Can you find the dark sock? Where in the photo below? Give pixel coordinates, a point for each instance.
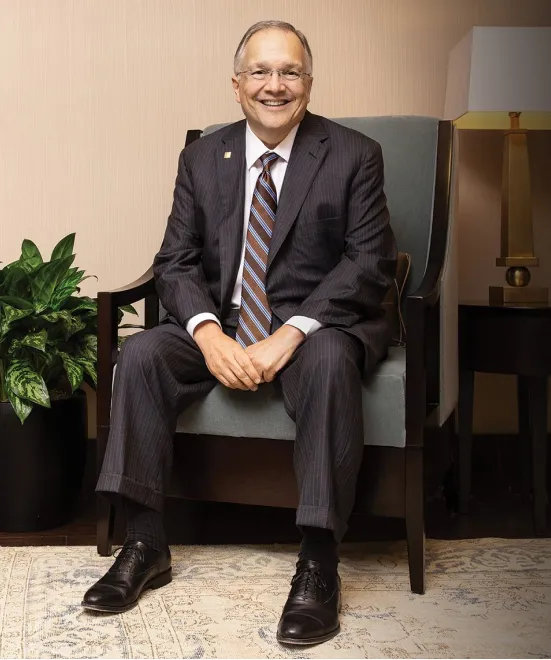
(144, 524)
(319, 544)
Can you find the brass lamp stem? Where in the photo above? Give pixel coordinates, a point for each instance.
(517, 241)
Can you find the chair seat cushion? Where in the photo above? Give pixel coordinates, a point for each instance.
(261, 414)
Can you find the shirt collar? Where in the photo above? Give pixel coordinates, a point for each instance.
(255, 147)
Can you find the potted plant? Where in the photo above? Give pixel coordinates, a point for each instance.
(48, 349)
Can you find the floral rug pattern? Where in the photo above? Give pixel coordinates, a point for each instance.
(485, 598)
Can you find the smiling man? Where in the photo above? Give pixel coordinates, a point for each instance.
(276, 259)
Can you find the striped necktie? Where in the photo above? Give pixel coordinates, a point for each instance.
(255, 315)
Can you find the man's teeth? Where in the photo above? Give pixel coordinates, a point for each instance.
(274, 102)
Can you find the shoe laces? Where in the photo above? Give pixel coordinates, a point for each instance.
(126, 560)
(306, 581)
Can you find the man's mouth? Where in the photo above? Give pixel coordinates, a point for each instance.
(274, 104)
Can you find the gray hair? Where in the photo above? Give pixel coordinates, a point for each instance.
(271, 25)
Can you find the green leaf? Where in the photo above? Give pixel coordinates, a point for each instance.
(74, 370)
(132, 325)
(64, 248)
(89, 347)
(80, 303)
(22, 408)
(89, 368)
(22, 380)
(46, 279)
(19, 303)
(37, 340)
(10, 314)
(15, 345)
(66, 288)
(54, 317)
(16, 282)
(30, 256)
(70, 324)
(129, 309)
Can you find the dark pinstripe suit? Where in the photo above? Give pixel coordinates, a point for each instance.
(332, 258)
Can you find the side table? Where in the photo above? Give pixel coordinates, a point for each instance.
(507, 340)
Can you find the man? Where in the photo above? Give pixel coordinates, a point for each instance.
(276, 257)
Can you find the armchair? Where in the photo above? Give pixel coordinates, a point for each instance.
(416, 385)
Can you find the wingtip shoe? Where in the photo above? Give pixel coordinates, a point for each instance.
(311, 613)
(136, 569)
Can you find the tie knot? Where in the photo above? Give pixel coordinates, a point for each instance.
(267, 159)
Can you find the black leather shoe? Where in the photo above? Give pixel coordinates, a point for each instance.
(311, 613)
(136, 569)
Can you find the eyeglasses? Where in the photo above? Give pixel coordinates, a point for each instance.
(287, 74)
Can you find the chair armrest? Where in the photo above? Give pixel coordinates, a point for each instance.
(428, 292)
(422, 308)
(131, 293)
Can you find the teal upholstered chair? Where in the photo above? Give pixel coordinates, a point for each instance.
(238, 445)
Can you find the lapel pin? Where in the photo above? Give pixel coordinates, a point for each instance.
(227, 154)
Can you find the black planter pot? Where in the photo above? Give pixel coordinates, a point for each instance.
(41, 464)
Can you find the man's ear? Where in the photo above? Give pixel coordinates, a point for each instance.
(235, 85)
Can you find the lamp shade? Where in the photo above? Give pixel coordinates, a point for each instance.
(500, 69)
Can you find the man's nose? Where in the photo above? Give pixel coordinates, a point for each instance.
(274, 82)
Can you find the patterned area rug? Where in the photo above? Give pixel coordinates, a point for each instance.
(488, 598)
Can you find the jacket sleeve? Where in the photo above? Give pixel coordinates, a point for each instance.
(179, 276)
(355, 288)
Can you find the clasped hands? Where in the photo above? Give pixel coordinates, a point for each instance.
(246, 368)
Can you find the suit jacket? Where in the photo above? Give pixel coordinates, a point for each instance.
(332, 255)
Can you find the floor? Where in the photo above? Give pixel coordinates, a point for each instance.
(501, 507)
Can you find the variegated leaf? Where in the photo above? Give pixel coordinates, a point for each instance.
(54, 317)
(18, 303)
(37, 340)
(90, 347)
(23, 380)
(22, 408)
(69, 323)
(74, 370)
(30, 256)
(80, 303)
(64, 248)
(72, 326)
(11, 314)
(89, 368)
(45, 279)
(15, 345)
(129, 309)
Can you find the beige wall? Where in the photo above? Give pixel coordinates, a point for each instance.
(96, 97)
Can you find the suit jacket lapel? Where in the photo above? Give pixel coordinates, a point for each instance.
(308, 153)
(231, 177)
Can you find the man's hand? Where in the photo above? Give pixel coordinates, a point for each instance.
(226, 359)
(270, 355)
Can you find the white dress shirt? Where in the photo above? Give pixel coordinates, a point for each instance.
(255, 148)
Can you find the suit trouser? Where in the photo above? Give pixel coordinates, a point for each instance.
(161, 371)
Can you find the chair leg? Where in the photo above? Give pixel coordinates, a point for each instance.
(105, 526)
(538, 423)
(415, 522)
(465, 428)
(525, 437)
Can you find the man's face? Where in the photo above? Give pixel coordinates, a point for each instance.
(273, 106)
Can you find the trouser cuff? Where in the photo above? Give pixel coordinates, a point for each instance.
(324, 517)
(133, 490)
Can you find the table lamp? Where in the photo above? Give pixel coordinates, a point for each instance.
(498, 78)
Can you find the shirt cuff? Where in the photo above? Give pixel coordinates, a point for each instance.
(199, 318)
(305, 324)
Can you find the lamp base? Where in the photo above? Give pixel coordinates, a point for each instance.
(503, 295)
